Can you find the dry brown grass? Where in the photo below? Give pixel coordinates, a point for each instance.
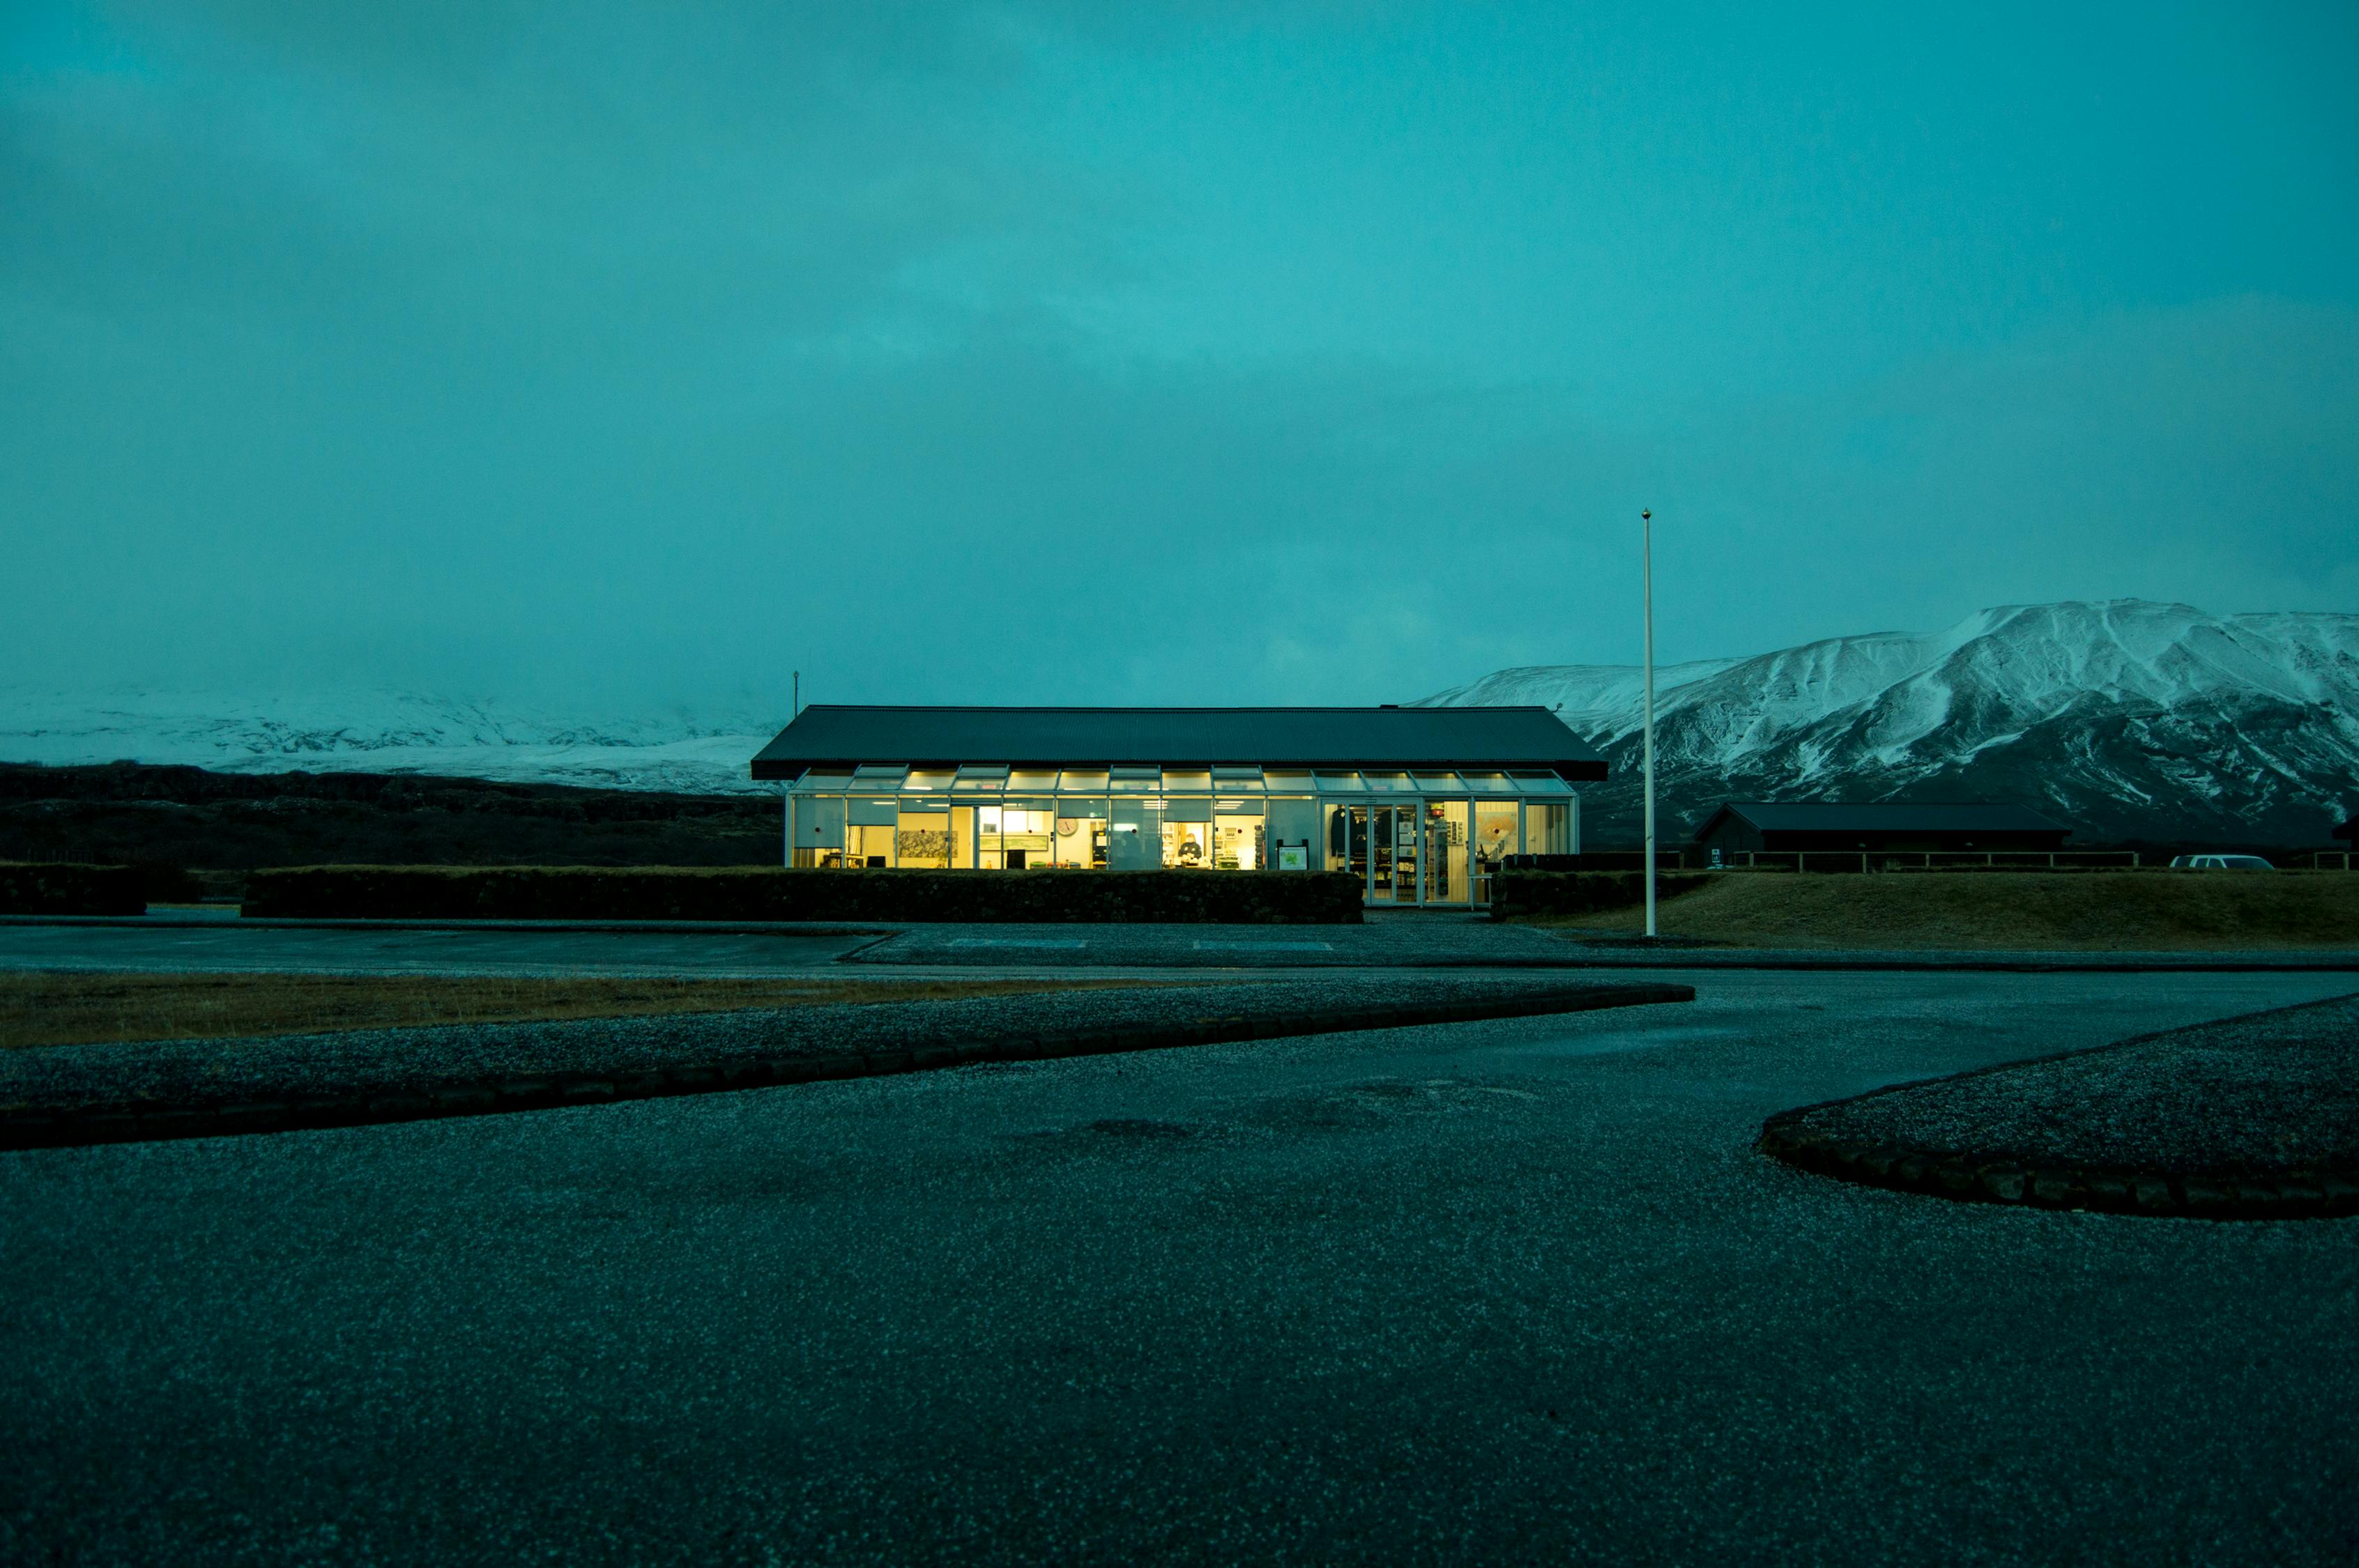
(2068, 910)
(47, 1009)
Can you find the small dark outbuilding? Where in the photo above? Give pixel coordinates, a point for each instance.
(1771, 826)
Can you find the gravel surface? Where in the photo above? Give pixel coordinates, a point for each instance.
(403, 1060)
(2269, 1094)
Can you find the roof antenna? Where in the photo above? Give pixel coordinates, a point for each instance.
(798, 698)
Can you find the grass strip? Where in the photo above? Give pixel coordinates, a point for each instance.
(82, 1009)
(2096, 912)
(186, 1089)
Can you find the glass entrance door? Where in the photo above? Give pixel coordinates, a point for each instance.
(1372, 846)
(1408, 835)
(1445, 852)
(1385, 847)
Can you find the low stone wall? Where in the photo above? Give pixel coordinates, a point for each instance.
(1517, 892)
(71, 890)
(572, 893)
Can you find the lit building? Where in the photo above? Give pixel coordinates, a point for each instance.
(1419, 803)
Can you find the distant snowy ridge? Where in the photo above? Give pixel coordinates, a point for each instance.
(382, 731)
(2124, 719)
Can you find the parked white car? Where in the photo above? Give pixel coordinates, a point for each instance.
(2220, 863)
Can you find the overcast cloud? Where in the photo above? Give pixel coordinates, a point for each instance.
(613, 353)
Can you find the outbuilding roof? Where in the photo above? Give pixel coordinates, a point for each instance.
(1883, 817)
(1407, 738)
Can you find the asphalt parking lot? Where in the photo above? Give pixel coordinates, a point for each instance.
(233, 946)
(230, 947)
(1511, 1291)
(226, 945)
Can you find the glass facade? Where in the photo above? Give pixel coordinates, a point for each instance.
(1413, 838)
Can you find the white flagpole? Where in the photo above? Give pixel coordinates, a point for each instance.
(1647, 578)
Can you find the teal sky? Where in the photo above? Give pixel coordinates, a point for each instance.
(1061, 353)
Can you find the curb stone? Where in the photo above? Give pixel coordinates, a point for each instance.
(146, 1122)
(2296, 1194)
(2299, 1194)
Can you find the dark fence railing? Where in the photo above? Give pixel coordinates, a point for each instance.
(1929, 860)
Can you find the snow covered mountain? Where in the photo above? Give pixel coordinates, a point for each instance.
(388, 733)
(2126, 718)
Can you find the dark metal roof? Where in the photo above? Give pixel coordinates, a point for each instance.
(1275, 737)
(1883, 817)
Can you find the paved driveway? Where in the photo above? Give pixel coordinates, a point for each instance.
(1500, 1291)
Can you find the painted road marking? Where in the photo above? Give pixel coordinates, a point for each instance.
(1014, 942)
(1269, 946)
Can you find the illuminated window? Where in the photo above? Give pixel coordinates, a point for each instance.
(922, 837)
(1238, 836)
(1495, 830)
(1548, 829)
(1016, 836)
(1083, 834)
(1187, 846)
